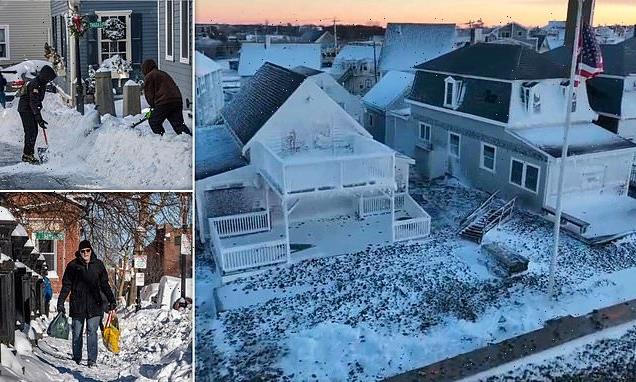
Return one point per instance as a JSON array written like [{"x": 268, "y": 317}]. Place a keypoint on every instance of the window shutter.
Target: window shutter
[
  {"x": 136, "y": 26},
  {"x": 92, "y": 49}
]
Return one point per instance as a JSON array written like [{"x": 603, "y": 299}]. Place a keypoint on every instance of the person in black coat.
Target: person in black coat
[
  {"x": 3, "y": 96},
  {"x": 30, "y": 107},
  {"x": 85, "y": 278}
]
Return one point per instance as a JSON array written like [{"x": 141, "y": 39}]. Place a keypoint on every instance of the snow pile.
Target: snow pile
[
  {"x": 120, "y": 157},
  {"x": 170, "y": 291},
  {"x": 115, "y": 64},
  {"x": 26, "y": 68}
]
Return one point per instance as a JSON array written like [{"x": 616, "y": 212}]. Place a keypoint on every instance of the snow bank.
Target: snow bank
[
  {"x": 170, "y": 291},
  {"x": 115, "y": 154},
  {"x": 149, "y": 291},
  {"x": 10, "y": 361}
]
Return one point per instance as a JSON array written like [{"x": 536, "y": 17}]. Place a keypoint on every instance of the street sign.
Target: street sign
[
  {"x": 186, "y": 247},
  {"x": 141, "y": 261},
  {"x": 96, "y": 24},
  {"x": 46, "y": 235},
  {"x": 140, "y": 279}
]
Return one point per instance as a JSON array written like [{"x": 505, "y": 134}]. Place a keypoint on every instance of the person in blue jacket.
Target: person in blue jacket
[{"x": 48, "y": 289}]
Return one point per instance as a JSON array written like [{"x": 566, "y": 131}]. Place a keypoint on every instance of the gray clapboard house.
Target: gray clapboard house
[
  {"x": 135, "y": 39},
  {"x": 175, "y": 44},
  {"x": 493, "y": 116},
  {"x": 24, "y": 28}
]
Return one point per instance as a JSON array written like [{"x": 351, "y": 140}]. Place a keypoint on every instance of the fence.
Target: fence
[
  {"x": 254, "y": 255},
  {"x": 242, "y": 224},
  {"x": 417, "y": 227}
]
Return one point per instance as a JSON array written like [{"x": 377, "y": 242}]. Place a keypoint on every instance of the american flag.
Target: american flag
[{"x": 590, "y": 58}]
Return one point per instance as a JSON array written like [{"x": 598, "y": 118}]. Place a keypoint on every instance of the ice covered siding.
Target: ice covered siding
[
  {"x": 209, "y": 90},
  {"x": 140, "y": 42},
  {"x": 473, "y": 97},
  {"x": 407, "y": 45},
  {"x": 255, "y": 55},
  {"x": 177, "y": 61},
  {"x": 388, "y": 94}
]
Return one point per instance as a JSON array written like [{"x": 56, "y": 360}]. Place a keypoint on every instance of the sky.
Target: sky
[{"x": 379, "y": 12}]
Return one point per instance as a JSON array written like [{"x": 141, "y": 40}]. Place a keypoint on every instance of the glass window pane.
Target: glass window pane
[
  {"x": 3, "y": 50},
  {"x": 489, "y": 157},
  {"x": 532, "y": 178},
  {"x": 2, "y": 35},
  {"x": 121, "y": 46},
  {"x": 516, "y": 172},
  {"x": 449, "y": 93},
  {"x": 45, "y": 246},
  {"x": 50, "y": 261}
]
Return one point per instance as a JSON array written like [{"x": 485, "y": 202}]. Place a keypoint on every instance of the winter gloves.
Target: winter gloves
[
  {"x": 112, "y": 306},
  {"x": 41, "y": 122}
]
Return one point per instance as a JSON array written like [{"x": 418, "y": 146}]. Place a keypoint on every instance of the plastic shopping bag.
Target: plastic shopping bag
[
  {"x": 59, "y": 327},
  {"x": 111, "y": 333}
]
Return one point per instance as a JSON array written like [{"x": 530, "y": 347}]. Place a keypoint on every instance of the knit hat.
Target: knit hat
[{"x": 85, "y": 244}]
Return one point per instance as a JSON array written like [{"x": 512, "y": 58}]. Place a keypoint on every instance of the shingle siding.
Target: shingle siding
[
  {"x": 29, "y": 23},
  {"x": 180, "y": 72}
]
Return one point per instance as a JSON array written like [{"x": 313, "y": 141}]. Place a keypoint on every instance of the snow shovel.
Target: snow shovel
[
  {"x": 43, "y": 152},
  {"x": 147, "y": 115}
]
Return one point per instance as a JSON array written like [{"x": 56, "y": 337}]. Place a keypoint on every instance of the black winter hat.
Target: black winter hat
[
  {"x": 85, "y": 244},
  {"x": 47, "y": 74}
]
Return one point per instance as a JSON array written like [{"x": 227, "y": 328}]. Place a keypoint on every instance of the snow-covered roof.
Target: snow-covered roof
[
  {"x": 205, "y": 65},
  {"x": 25, "y": 68},
  {"x": 6, "y": 215},
  {"x": 19, "y": 231},
  {"x": 389, "y": 89},
  {"x": 407, "y": 45},
  {"x": 583, "y": 138},
  {"x": 4, "y": 258},
  {"x": 357, "y": 52},
  {"x": 254, "y": 55}
]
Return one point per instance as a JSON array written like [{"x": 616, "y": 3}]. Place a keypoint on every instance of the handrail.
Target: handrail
[
  {"x": 501, "y": 212},
  {"x": 478, "y": 209}
]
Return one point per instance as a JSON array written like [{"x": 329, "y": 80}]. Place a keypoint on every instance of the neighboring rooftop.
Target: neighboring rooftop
[
  {"x": 584, "y": 138},
  {"x": 217, "y": 152},
  {"x": 357, "y": 52},
  {"x": 312, "y": 35},
  {"x": 254, "y": 55},
  {"x": 501, "y": 61},
  {"x": 307, "y": 72},
  {"x": 391, "y": 87},
  {"x": 407, "y": 45},
  {"x": 205, "y": 65},
  {"x": 618, "y": 59},
  {"x": 259, "y": 99}
]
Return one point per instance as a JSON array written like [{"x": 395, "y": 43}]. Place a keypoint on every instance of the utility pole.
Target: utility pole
[
  {"x": 186, "y": 250},
  {"x": 335, "y": 35},
  {"x": 564, "y": 149}
]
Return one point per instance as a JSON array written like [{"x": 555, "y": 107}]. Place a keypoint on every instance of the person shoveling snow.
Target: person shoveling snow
[
  {"x": 84, "y": 278},
  {"x": 164, "y": 98},
  {"x": 30, "y": 107}
]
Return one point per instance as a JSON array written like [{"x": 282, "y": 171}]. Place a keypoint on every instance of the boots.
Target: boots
[{"x": 29, "y": 158}]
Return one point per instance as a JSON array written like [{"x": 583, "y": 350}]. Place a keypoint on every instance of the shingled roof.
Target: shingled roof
[
  {"x": 500, "y": 61},
  {"x": 259, "y": 99}
]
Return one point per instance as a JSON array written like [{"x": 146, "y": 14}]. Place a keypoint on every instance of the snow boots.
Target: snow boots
[{"x": 30, "y": 159}]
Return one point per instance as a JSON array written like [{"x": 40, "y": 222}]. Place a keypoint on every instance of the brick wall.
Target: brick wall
[{"x": 164, "y": 254}]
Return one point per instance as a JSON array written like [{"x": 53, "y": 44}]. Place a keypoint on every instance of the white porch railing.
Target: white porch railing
[
  {"x": 418, "y": 226},
  {"x": 632, "y": 178},
  {"x": 242, "y": 224},
  {"x": 379, "y": 204},
  {"x": 254, "y": 255}
]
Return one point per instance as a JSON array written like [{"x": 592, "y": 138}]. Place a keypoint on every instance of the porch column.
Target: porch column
[
  {"x": 392, "y": 195},
  {"x": 286, "y": 221}
]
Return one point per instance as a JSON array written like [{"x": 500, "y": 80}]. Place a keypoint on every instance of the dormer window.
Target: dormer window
[
  {"x": 452, "y": 92},
  {"x": 531, "y": 97}
]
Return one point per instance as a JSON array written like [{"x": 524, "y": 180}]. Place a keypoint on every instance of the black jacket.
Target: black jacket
[
  {"x": 3, "y": 83},
  {"x": 85, "y": 282},
  {"x": 31, "y": 100}
]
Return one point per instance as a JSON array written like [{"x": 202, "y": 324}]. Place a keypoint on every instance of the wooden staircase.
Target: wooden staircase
[{"x": 486, "y": 217}]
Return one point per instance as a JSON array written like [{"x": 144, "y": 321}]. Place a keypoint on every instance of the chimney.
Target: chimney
[{"x": 587, "y": 17}]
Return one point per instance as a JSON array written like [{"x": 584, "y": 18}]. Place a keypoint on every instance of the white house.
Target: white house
[
  {"x": 209, "y": 89},
  {"x": 315, "y": 179},
  {"x": 254, "y": 55},
  {"x": 355, "y": 67}
]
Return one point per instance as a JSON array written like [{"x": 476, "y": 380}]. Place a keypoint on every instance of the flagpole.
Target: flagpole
[{"x": 564, "y": 149}]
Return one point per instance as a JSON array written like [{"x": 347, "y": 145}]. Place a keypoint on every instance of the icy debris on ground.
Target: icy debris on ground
[{"x": 114, "y": 153}]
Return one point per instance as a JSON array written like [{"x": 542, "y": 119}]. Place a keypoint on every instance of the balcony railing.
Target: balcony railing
[
  {"x": 418, "y": 226},
  {"x": 242, "y": 224}
]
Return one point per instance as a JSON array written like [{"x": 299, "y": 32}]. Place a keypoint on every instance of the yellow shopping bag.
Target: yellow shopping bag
[{"x": 111, "y": 333}]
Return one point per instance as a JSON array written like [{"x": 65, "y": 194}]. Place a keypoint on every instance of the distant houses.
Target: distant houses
[
  {"x": 493, "y": 115},
  {"x": 407, "y": 45},
  {"x": 355, "y": 67},
  {"x": 309, "y": 161},
  {"x": 209, "y": 90}
]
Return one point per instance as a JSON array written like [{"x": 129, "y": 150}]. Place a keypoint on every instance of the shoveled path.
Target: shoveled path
[
  {"x": 554, "y": 333},
  {"x": 38, "y": 179}
]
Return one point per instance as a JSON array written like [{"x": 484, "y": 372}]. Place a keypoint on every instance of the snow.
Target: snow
[
  {"x": 6, "y": 215},
  {"x": 169, "y": 291},
  {"x": 254, "y": 55},
  {"x": 25, "y": 68},
  {"x": 130, "y": 83},
  {"x": 19, "y": 231},
  {"x": 4, "y": 258},
  {"x": 392, "y": 87},
  {"x": 582, "y": 138},
  {"x": 407, "y": 45},
  {"x": 113, "y": 155},
  {"x": 386, "y": 309},
  {"x": 205, "y": 65}
]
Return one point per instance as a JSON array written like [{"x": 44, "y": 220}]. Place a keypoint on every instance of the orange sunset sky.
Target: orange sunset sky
[{"x": 379, "y": 12}]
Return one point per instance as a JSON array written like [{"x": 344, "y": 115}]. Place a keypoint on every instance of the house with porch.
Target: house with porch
[
  {"x": 316, "y": 183},
  {"x": 355, "y": 67},
  {"x": 493, "y": 115}
]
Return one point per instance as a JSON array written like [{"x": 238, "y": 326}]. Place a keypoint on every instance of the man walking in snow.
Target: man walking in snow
[
  {"x": 84, "y": 278},
  {"x": 30, "y": 107},
  {"x": 164, "y": 98},
  {"x": 3, "y": 96}
]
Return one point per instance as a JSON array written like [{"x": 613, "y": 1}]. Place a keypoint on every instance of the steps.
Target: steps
[{"x": 487, "y": 216}]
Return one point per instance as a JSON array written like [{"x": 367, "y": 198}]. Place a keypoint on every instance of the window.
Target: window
[
  {"x": 488, "y": 155},
  {"x": 47, "y": 249},
  {"x": 530, "y": 97},
  {"x": 4, "y": 42},
  {"x": 370, "y": 120},
  {"x": 185, "y": 31},
  {"x": 453, "y": 144},
  {"x": 524, "y": 175},
  {"x": 425, "y": 132},
  {"x": 169, "y": 30},
  {"x": 505, "y": 34},
  {"x": 367, "y": 83},
  {"x": 201, "y": 86},
  {"x": 452, "y": 92},
  {"x": 114, "y": 39}
]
